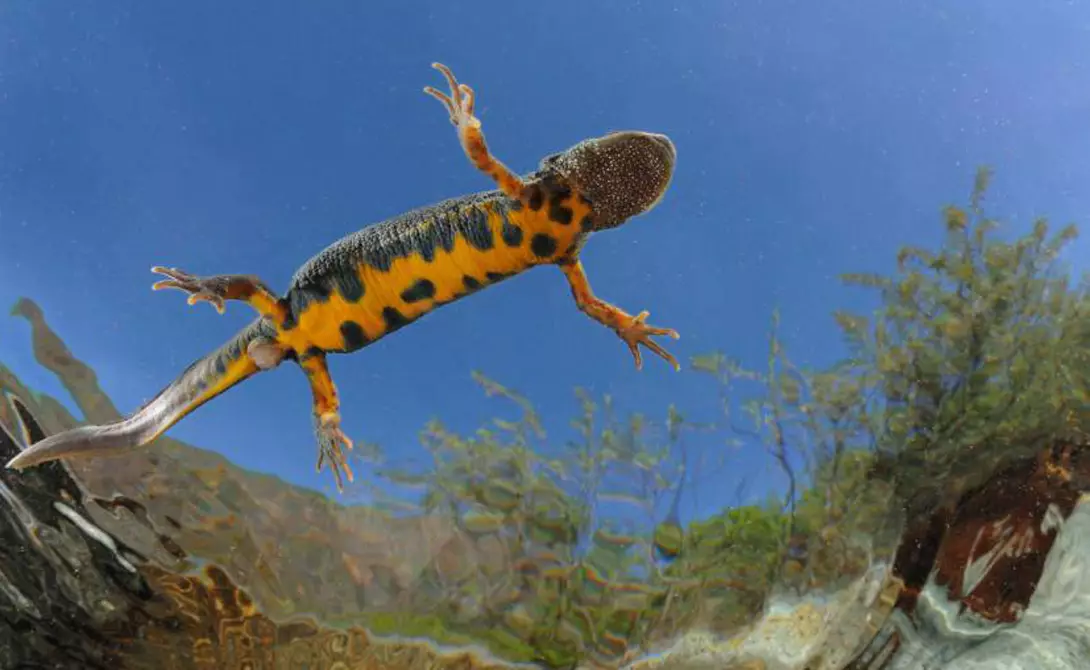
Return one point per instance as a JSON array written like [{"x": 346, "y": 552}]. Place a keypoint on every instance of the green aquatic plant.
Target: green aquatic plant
[
  {"x": 976, "y": 355},
  {"x": 561, "y": 579}
]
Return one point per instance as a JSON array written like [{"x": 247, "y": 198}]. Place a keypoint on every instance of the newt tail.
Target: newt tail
[{"x": 203, "y": 380}]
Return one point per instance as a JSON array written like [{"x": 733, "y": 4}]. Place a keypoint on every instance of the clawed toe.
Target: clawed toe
[
  {"x": 641, "y": 319},
  {"x": 199, "y": 289},
  {"x": 332, "y": 443},
  {"x": 177, "y": 278},
  {"x": 638, "y": 332},
  {"x": 459, "y": 102}
]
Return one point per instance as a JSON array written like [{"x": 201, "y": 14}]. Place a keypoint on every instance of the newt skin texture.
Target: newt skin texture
[{"x": 383, "y": 277}]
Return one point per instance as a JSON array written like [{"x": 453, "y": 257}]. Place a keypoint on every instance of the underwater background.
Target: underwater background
[{"x": 884, "y": 472}]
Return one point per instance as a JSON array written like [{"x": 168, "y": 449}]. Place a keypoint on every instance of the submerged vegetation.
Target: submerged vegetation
[{"x": 975, "y": 355}]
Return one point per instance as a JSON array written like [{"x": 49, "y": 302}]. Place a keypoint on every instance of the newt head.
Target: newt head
[{"x": 622, "y": 174}]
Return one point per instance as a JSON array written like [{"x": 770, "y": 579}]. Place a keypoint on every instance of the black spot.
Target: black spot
[
  {"x": 289, "y": 321},
  {"x": 471, "y": 283},
  {"x": 312, "y": 352},
  {"x": 443, "y": 234},
  {"x": 380, "y": 258},
  {"x": 537, "y": 198},
  {"x": 494, "y": 277},
  {"x": 300, "y": 298},
  {"x": 512, "y": 235},
  {"x": 558, "y": 191},
  {"x": 428, "y": 235},
  {"x": 587, "y": 223},
  {"x": 221, "y": 363},
  {"x": 514, "y": 205},
  {"x": 561, "y": 214},
  {"x": 475, "y": 228},
  {"x": 425, "y": 241},
  {"x": 348, "y": 284},
  {"x": 353, "y": 335},
  {"x": 422, "y": 289},
  {"x": 393, "y": 318},
  {"x": 543, "y": 245},
  {"x": 313, "y": 293}
]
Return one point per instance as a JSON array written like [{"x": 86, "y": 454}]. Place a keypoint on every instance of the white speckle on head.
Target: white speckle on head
[{"x": 622, "y": 175}]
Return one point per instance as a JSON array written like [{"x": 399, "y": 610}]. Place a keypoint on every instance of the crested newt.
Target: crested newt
[{"x": 387, "y": 275}]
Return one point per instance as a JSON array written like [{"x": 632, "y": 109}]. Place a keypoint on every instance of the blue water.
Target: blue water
[
  {"x": 237, "y": 138},
  {"x": 813, "y": 139}
]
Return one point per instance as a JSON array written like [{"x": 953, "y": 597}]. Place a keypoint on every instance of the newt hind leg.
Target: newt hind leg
[
  {"x": 217, "y": 289},
  {"x": 332, "y": 442}
]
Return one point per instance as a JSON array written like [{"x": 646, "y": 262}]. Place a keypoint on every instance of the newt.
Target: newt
[{"x": 387, "y": 275}]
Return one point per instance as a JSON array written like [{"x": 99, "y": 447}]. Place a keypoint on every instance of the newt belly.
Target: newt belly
[{"x": 391, "y": 274}]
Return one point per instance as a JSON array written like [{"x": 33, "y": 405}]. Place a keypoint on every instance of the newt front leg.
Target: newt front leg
[
  {"x": 460, "y": 106},
  {"x": 632, "y": 329},
  {"x": 327, "y": 418}
]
